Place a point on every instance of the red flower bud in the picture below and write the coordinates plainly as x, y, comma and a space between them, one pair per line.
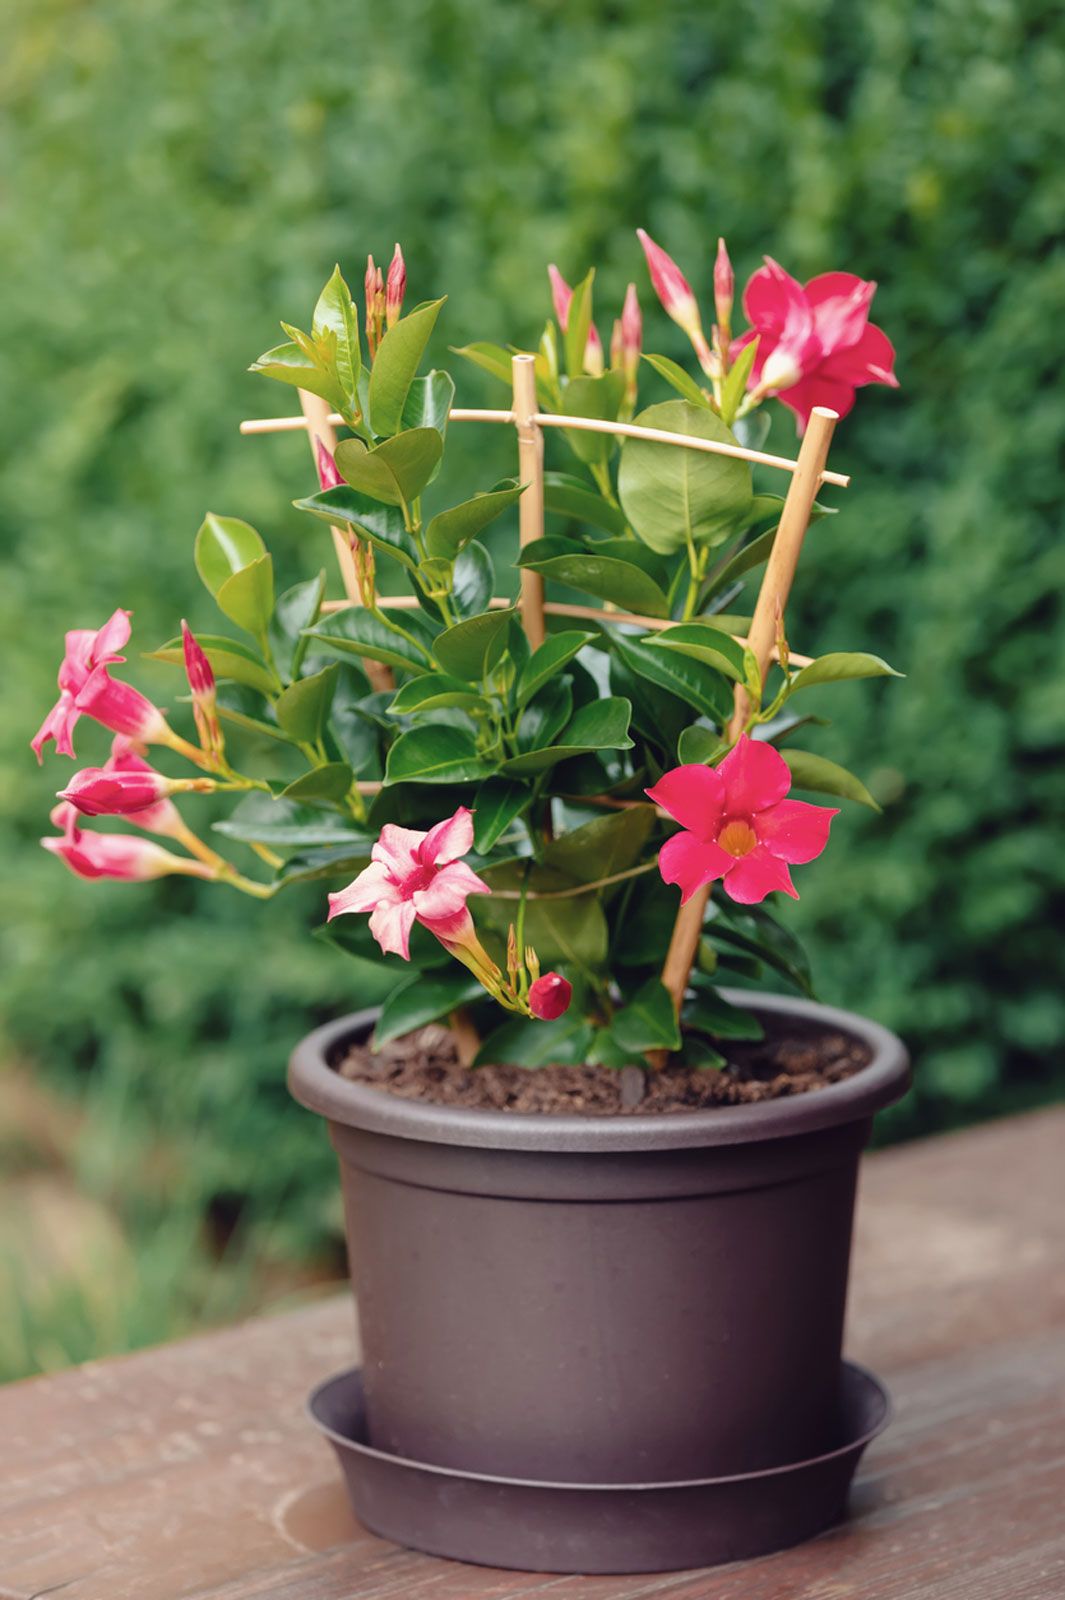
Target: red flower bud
328, 476
550, 996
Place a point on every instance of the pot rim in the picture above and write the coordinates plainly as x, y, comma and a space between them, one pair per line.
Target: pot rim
316, 1085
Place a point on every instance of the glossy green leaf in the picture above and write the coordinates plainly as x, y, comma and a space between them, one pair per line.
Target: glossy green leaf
324, 864
692, 681
623, 583
567, 496
382, 524
840, 666
288, 364
498, 803
489, 357
757, 551
449, 531
298, 608
695, 1052
546, 714
547, 659
608, 844
648, 1022
699, 746
423, 999
303, 708
735, 385
394, 472
435, 754
354, 632
578, 323
246, 708
228, 657
435, 691
709, 1012
473, 580
678, 379
247, 598
569, 930
225, 545
395, 365
599, 398
760, 938
429, 401
336, 311
329, 782
825, 777
521, 1042
258, 819
603, 725
469, 647
673, 495
701, 641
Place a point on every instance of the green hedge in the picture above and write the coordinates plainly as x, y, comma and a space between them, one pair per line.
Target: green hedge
178, 174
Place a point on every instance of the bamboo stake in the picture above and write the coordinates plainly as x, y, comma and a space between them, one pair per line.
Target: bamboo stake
319, 422
772, 599
293, 424
531, 504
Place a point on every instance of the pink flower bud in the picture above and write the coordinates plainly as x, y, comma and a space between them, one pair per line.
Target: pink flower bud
328, 476
675, 293
369, 284
121, 856
122, 708
197, 667
593, 353
724, 289
99, 792
550, 996
163, 817
561, 295
396, 287
631, 337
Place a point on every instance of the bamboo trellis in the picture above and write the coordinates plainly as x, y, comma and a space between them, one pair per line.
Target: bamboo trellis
808, 473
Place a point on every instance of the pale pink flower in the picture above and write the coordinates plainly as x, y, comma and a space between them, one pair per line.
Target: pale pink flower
86, 649
395, 287
122, 708
549, 996
675, 293
816, 345
631, 333
724, 289
737, 825
416, 876
115, 855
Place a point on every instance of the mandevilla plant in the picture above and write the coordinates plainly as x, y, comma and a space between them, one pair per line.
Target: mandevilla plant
419, 749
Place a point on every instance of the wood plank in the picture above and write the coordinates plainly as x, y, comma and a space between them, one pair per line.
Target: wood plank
190, 1471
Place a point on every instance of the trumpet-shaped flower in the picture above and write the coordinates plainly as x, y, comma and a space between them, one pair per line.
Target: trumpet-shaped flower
738, 825
121, 856
163, 816
816, 345
417, 877
122, 708
86, 649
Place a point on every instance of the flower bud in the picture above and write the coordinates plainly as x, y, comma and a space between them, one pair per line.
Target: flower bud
675, 293
121, 856
99, 792
204, 696
396, 287
561, 295
550, 996
593, 353
328, 476
724, 291
631, 339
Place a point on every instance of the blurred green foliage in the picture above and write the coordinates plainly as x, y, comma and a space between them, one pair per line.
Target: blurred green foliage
178, 175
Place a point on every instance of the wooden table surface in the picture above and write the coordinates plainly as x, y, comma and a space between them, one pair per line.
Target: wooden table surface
191, 1471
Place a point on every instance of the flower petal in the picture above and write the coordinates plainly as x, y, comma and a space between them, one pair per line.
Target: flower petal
794, 830
448, 839
373, 885
693, 795
391, 925
816, 390
755, 776
448, 890
692, 863
870, 359
397, 848
755, 875
840, 304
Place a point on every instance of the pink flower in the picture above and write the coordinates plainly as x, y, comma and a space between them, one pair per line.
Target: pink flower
97, 792
549, 996
328, 476
122, 708
413, 877
724, 289
737, 825
200, 674
631, 339
115, 855
675, 293
86, 649
396, 287
163, 817
816, 345
561, 295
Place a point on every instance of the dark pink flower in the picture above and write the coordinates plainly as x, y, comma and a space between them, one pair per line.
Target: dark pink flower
816, 345
675, 293
328, 476
122, 708
163, 817
737, 825
97, 792
86, 649
115, 855
416, 876
395, 287
549, 996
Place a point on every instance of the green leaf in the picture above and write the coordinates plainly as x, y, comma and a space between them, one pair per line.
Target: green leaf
395, 364
606, 845
692, 681
228, 657
489, 357
735, 385
382, 524
673, 495
695, 1052
709, 1012
225, 545
546, 714
467, 649
547, 659
321, 864
677, 377
601, 398
825, 777
524, 1043
288, 364
578, 323
473, 580
247, 709
303, 708
648, 1022
396, 471
258, 819
499, 801
603, 725
247, 598
336, 311
423, 999
429, 401
449, 531
435, 691
699, 746
703, 642
329, 782
571, 929
298, 608
841, 665
757, 933
354, 632
435, 754
567, 496
624, 583
757, 551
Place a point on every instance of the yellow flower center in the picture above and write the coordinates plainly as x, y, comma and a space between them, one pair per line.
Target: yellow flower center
737, 837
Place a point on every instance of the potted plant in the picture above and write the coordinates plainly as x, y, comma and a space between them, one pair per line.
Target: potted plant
598, 1183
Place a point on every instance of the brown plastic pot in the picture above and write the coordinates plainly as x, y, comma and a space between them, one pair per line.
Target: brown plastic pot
602, 1300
